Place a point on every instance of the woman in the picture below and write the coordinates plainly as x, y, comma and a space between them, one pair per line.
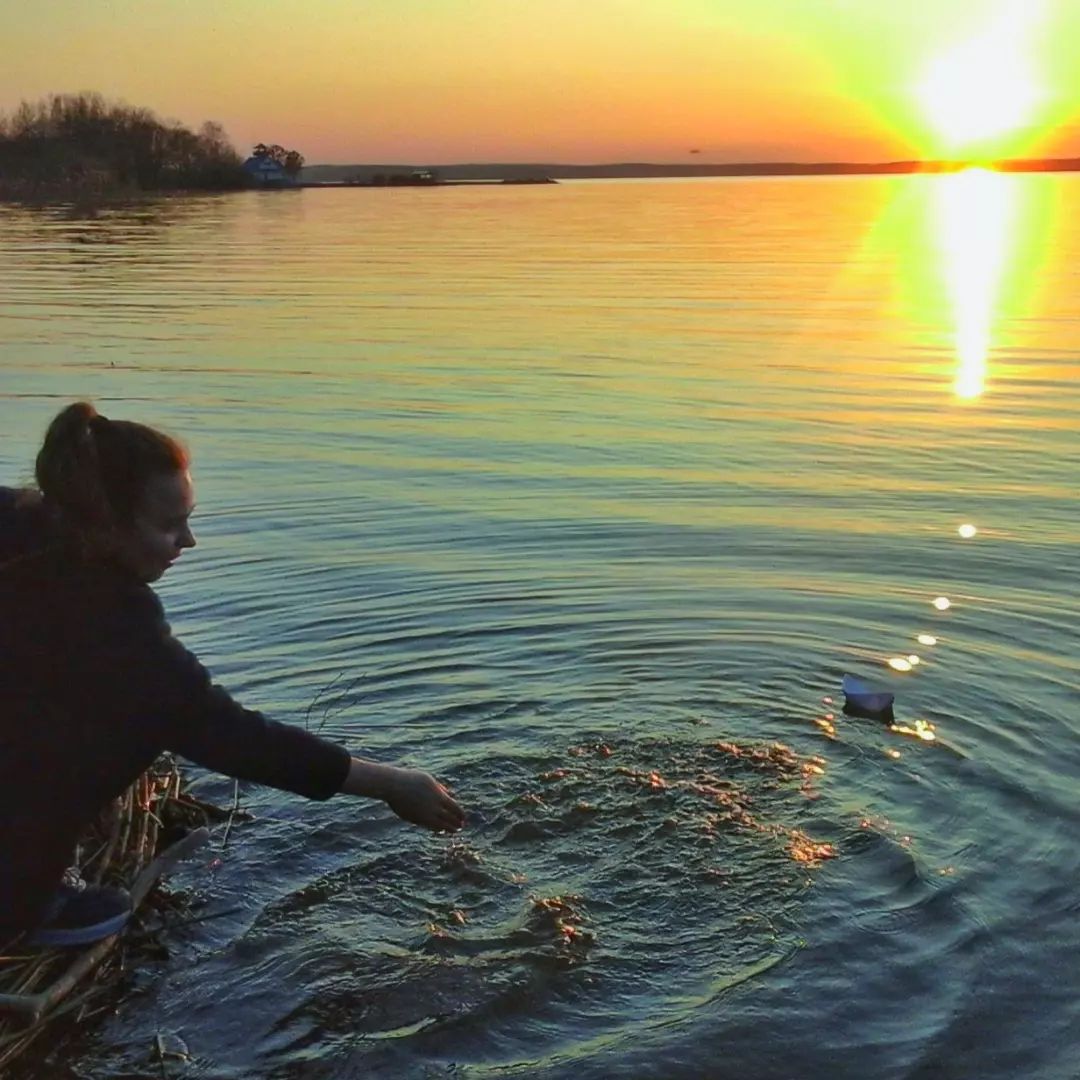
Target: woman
94, 686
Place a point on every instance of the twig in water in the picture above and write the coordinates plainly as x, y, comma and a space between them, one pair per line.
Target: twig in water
161, 1055
319, 696
232, 814
169, 926
344, 700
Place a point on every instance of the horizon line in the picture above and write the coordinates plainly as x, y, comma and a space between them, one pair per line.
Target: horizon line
896, 165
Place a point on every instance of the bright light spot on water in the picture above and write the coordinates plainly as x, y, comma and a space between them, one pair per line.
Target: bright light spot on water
921, 729
967, 531
913, 659
826, 724
898, 663
942, 603
926, 639
973, 227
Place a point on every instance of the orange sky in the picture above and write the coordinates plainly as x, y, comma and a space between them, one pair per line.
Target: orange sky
438, 81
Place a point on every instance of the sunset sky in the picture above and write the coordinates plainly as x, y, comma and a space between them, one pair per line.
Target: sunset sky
439, 81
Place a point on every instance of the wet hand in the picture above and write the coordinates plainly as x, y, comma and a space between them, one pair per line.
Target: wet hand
419, 798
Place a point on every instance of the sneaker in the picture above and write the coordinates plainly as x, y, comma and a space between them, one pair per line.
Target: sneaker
81, 914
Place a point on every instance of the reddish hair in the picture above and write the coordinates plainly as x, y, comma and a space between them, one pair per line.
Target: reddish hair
93, 471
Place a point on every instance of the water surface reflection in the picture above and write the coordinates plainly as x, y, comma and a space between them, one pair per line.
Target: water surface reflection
593, 483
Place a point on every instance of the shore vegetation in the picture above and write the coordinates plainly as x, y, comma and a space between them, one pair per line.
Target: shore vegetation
75, 145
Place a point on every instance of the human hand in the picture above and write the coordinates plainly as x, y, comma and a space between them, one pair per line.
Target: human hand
419, 798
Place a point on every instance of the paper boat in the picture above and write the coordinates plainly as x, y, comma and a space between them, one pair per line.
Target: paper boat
864, 698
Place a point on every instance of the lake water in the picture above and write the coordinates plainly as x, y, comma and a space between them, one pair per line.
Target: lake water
584, 497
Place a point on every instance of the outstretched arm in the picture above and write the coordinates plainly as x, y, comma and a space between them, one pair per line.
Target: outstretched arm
170, 702
412, 794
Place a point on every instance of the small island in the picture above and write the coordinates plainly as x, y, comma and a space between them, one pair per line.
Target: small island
423, 177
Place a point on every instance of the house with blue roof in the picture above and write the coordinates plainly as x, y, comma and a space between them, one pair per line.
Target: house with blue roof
264, 171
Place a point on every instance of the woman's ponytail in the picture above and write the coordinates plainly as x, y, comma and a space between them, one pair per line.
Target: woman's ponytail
68, 469
93, 471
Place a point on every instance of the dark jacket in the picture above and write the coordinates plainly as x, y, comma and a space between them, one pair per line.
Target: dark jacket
93, 686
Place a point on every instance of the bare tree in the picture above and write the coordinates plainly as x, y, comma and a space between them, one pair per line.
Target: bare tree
66, 136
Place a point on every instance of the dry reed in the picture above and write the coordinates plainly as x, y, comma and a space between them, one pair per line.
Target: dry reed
134, 841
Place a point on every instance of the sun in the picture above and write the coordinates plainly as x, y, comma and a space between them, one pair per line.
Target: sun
983, 90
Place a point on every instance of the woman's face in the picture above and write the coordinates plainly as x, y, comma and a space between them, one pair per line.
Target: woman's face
159, 532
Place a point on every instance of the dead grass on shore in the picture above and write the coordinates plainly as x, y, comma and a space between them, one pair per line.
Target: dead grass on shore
148, 829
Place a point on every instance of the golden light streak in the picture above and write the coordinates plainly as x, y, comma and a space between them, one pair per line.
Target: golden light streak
921, 729
983, 101
974, 219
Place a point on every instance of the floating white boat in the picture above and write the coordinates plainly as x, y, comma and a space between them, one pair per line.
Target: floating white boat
866, 698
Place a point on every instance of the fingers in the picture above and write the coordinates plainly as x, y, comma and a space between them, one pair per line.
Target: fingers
450, 820
449, 817
422, 800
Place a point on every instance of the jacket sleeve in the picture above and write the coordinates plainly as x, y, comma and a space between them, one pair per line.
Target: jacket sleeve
170, 696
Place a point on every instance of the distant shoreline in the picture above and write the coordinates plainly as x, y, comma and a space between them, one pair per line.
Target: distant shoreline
645, 170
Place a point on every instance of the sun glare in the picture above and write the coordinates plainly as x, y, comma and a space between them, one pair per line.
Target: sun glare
974, 231
984, 88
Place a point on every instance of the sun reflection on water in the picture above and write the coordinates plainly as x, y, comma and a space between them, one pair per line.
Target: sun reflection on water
974, 211
920, 729
968, 249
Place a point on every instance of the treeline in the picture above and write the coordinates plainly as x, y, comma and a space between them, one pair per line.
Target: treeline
74, 144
